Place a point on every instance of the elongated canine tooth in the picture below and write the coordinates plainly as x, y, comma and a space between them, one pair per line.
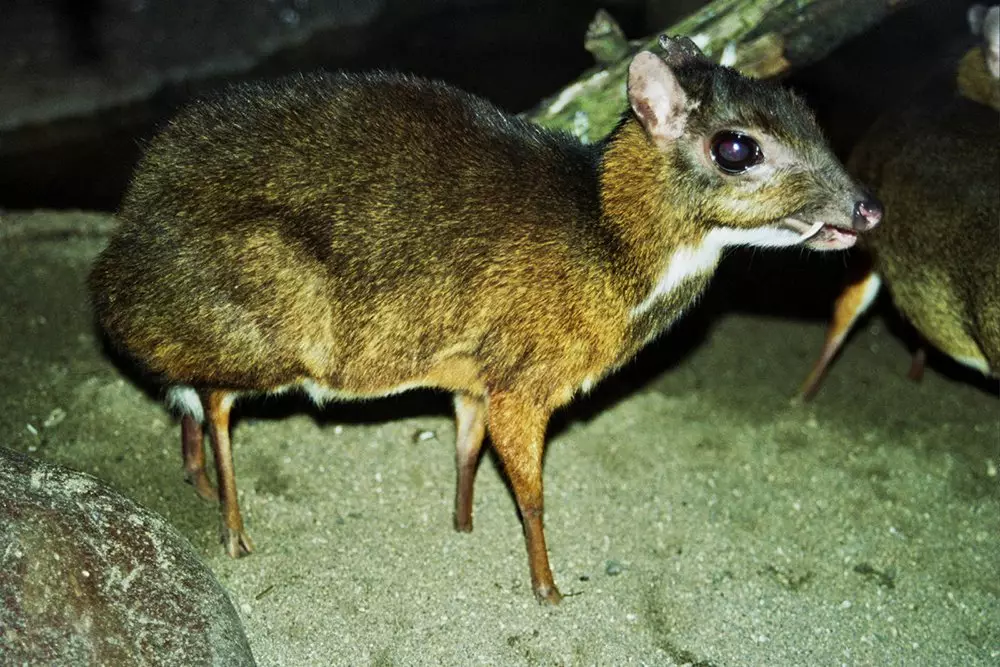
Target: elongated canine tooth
812, 231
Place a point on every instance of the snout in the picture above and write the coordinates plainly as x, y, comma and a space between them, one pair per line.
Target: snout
867, 213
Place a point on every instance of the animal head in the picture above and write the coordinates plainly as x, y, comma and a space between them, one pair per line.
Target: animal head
979, 70
755, 166
985, 23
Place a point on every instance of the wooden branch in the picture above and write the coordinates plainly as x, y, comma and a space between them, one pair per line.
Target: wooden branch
763, 38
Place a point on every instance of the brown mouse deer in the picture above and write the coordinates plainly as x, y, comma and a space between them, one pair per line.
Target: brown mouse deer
360, 235
935, 162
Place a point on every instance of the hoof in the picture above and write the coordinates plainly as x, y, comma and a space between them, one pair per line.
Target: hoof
548, 594
237, 542
202, 486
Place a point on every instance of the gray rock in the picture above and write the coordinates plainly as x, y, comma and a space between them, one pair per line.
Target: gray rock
88, 577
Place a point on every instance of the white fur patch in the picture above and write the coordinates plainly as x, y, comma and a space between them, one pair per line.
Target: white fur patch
686, 262
759, 237
693, 260
977, 363
872, 285
185, 400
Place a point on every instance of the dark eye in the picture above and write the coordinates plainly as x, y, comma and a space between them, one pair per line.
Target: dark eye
734, 153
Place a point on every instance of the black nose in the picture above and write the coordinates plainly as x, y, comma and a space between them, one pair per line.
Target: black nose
867, 214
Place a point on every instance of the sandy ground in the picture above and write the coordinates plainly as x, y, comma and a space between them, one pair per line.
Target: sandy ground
694, 514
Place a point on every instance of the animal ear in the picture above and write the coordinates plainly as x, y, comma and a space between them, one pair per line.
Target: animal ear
991, 36
985, 23
657, 99
975, 16
682, 51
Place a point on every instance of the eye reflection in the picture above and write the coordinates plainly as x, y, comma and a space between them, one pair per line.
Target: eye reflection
734, 152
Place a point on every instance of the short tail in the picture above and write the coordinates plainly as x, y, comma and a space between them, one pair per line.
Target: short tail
185, 400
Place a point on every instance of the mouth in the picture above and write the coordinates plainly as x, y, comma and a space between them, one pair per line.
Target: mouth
822, 236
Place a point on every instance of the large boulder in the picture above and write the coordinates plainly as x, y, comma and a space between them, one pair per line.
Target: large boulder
88, 577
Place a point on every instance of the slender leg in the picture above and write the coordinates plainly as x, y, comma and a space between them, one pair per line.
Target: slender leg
517, 429
470, 427
850, 305
193, 449
217, 406
917, 365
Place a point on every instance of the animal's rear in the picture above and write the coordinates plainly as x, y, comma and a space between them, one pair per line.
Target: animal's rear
937, 168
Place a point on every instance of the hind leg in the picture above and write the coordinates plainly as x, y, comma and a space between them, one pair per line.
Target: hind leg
193, 449
850, 305
234, 537
916, 372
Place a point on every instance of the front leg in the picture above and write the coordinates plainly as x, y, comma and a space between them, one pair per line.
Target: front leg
517, 429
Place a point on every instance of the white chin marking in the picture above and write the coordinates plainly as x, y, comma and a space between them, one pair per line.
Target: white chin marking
684, 263
760, 237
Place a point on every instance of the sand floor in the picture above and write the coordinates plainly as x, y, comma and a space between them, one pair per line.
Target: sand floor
694, 514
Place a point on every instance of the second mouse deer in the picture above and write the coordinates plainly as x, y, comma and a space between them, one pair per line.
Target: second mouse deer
359, 235
936, 163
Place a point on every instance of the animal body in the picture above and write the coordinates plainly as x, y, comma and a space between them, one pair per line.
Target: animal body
360, 235
935, 162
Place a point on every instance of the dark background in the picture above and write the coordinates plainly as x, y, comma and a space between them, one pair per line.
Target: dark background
82, 82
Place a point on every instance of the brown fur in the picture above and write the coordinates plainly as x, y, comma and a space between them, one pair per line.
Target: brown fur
373, 233
936, 165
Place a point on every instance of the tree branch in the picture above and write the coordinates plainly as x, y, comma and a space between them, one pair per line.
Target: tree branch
763, 38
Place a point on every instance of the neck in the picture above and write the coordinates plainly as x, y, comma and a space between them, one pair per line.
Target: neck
664, 244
